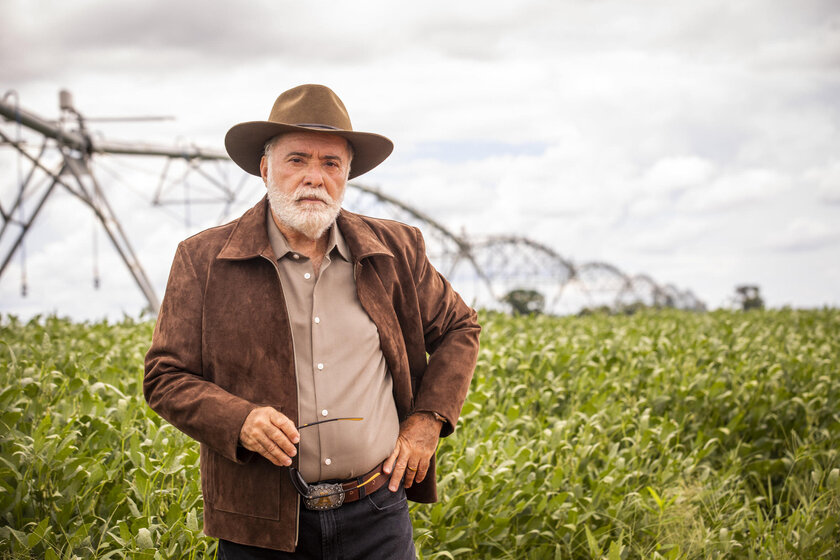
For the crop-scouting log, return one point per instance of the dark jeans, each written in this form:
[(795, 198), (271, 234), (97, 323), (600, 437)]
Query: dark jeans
[(377, 526)]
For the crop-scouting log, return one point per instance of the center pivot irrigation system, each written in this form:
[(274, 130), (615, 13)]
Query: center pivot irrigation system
[(53, 153)]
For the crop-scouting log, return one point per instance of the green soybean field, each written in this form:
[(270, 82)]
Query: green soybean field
[(664, 434)]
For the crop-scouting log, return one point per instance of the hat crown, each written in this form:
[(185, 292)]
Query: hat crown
[(310, 105), (303, 109)]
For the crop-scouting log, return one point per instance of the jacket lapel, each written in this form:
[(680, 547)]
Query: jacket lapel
[(377, 302), (249, 237)]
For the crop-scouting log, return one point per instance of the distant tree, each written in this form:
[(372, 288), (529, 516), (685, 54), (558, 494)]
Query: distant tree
[(524, 302), (749, 297), (599, 310), (632, 308)]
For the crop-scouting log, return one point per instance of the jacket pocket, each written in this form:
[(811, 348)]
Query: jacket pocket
[(251, 489)]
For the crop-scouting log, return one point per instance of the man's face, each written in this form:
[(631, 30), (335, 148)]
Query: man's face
[(305, 174)]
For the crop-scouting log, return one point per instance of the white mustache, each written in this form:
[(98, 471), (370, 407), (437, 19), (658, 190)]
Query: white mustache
[(302, 193)]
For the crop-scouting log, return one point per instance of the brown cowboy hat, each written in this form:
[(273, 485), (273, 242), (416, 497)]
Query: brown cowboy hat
[(306, 108)]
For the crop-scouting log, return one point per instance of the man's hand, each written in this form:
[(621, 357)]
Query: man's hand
[(271, 434), (416, 443)]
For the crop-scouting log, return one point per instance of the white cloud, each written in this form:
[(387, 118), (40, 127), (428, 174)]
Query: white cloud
[(668, 238), (677, 173), (805, 234), (672, 131), (827, 182), (736, 191)]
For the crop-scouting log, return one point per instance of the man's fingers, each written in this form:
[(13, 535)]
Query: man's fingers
[(271, 434), (422, 469), (267, 448), (388, 467), (410, 476), (396, 465), (285, 424), (415, 446), (258, 447), (397, 475), (268, 441), (272, 453), (281, 440)]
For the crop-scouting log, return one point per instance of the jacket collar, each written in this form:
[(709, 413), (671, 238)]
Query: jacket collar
[(249, 238), (360, 238)]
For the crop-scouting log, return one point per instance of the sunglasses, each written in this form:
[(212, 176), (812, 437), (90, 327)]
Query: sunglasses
[(305, 489)]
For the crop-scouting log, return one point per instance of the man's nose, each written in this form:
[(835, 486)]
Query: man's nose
[(313, 175)]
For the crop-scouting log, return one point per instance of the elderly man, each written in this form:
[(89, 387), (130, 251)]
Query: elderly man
[(315, 354)]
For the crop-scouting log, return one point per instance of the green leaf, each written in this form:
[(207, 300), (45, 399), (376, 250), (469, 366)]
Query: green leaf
[(144, 539), (192, 521), (659, 501), (833, 480), (615, 551), (594, 549), (174, 514)]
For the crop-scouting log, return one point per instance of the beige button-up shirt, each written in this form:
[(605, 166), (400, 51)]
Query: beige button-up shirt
[(340, 369)]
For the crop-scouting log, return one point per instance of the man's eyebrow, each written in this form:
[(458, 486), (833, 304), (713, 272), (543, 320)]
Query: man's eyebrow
[(308, 155)]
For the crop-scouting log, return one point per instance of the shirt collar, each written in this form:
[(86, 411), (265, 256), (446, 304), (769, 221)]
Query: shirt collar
[(337, 241), (280, 246), (248, 237)]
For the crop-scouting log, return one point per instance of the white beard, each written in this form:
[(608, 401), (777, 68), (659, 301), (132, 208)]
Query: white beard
[(312, 220)]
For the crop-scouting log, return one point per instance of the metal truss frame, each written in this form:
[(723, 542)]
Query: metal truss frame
[(499, 263)]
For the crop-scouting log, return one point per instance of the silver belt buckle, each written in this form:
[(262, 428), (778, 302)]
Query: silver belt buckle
[(320, 499)]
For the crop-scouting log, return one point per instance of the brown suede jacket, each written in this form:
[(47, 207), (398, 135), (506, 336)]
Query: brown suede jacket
[(222, 346)]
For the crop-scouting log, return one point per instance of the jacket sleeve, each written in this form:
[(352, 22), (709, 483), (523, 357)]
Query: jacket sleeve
[(174, 384), (451, 333)]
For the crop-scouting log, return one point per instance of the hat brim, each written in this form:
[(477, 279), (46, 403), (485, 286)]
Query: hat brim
[(245, 143)]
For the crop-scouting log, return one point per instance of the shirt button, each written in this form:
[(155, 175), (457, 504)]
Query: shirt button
[(317, 320), (328, 461), (324, 412), (320, 366), (307, 276)]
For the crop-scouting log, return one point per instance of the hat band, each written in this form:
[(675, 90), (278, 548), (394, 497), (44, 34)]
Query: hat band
[(310, 125)]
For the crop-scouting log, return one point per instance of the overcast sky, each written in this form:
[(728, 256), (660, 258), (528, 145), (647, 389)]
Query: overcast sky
[(696, 142)]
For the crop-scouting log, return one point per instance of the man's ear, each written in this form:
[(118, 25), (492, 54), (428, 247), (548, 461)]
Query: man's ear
[(264, 169)]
